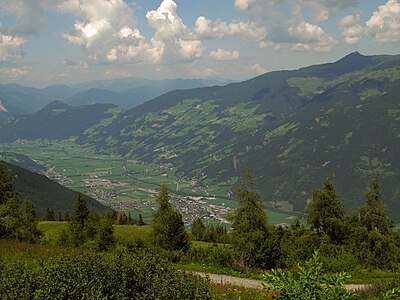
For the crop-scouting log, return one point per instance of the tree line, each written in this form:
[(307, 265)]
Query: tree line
[(364, 236)]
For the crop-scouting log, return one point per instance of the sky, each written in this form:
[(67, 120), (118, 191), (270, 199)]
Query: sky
[(45, 42)]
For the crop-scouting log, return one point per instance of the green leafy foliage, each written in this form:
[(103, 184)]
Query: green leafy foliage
[(117, 275), (309, 281)]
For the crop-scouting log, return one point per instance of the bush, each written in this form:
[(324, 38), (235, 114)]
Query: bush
[(117, 275), (309, 282)]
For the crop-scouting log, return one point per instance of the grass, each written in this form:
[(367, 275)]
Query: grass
[(231, 292), (17, 248), (51, 230), (79, 162), (365, 276), (131, 233)]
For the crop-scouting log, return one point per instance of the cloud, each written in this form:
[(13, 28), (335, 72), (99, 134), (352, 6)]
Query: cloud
[(204, 72), (29, 19), (172, 39), (258, 69), (105, 29), (207, 29), (350, 30), (324, 8), (221, 54), (72, 68), (13, 73), (30, 15), (307, 36), (244, 5), (10, 48), (286, 26), (384, 23)]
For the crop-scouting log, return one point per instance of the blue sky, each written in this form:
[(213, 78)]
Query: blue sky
[(44, 42)]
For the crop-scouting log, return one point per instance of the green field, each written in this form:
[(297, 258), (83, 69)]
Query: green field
[(122, 184)]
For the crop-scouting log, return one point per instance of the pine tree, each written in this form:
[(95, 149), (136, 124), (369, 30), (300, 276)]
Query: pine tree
[(105, 233), (17, 220), (198, 229), (249, 222), (49, 214), (27, 229), (79, 215), (168, 227), (374, 214), (325, 212), (6, 186), (141, 222), (374, 240)]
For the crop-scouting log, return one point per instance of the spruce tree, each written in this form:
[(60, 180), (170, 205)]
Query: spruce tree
[(249, 222), (78, 218), (198, 229), (374, 214), (325, 212), (168, 227), (50, 216)]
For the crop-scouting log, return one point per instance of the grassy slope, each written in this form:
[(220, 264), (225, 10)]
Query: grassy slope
[(45, 193)]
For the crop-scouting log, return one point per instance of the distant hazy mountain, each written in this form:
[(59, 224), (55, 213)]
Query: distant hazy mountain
[(45, 193), (56, 121), (123, 84), (130, 92), (17, 99), (292, 128), (125, 93)]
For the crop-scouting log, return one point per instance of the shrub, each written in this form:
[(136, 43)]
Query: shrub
[(117, 275), (309, 282)]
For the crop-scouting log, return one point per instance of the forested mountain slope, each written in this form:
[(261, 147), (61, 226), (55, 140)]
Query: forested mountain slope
[(45, 193), (292, 128)]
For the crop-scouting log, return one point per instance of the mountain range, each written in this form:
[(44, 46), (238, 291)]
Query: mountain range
[(292, 128), (125, 93)]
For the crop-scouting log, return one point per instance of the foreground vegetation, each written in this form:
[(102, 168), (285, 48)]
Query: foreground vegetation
[(96, 259)]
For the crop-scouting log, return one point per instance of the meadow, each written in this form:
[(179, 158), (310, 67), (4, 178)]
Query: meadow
[(124, 184)]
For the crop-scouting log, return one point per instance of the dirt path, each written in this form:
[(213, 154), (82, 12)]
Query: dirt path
[(252, 283)]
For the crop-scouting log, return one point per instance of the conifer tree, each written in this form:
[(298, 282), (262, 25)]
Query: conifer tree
[(168, 227), (325, 212), (49, 214), (198, 229), (105, 233), (79, 215), (249, 222), (141, 222), (374, 214)]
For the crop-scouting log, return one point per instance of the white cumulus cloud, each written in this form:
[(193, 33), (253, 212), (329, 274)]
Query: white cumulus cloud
[(221, 54), (172, 39), (350, 29), (208, 29), (10, 48), (384, 23)]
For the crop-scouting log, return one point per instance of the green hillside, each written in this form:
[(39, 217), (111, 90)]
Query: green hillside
[(56, 121), (291, 127), (45, 193)]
